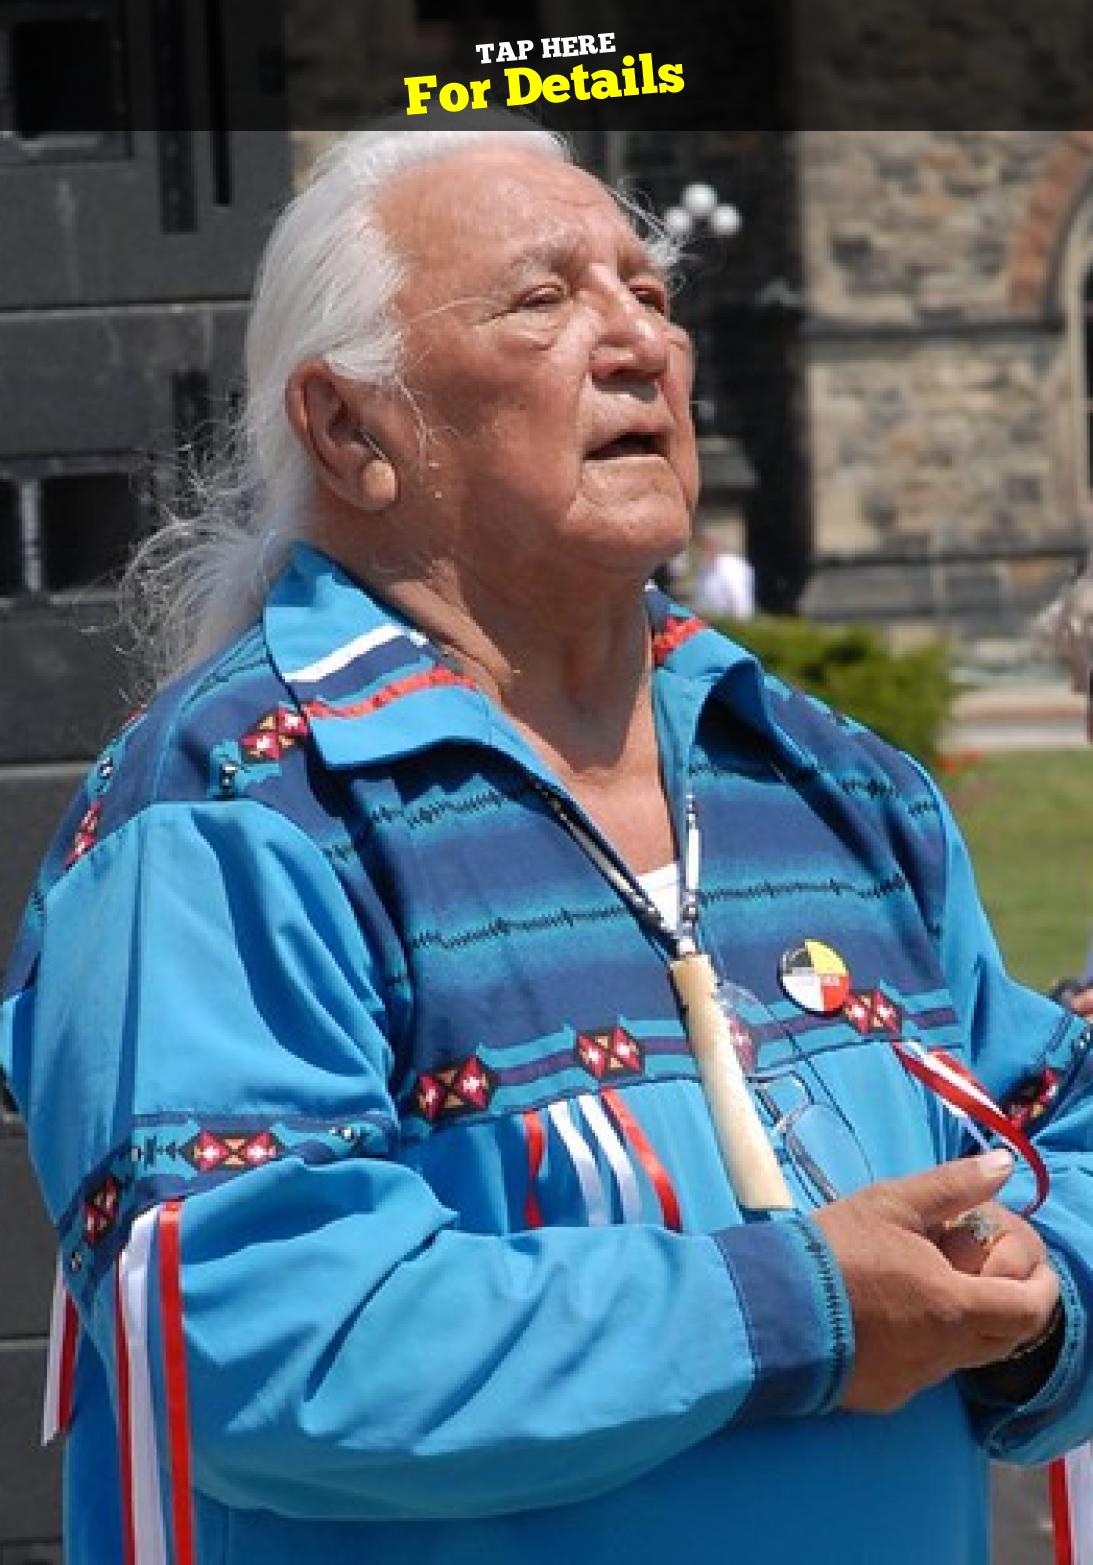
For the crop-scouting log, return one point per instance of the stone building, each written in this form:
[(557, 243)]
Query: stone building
[(945, 350)]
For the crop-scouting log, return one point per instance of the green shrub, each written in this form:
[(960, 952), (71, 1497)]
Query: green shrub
[(904, 696)]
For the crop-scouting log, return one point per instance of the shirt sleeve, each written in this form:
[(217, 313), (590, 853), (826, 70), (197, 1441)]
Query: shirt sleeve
[(207, 1023), (1020, 1040)]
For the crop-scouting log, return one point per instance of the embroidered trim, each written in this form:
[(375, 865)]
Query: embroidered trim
[(428, 679), (351, 652), (610, 1051), (674, 632), (457, 1089), (871, 1011), (168, 1155), (235, 765), (831, 1289), (87, 833)]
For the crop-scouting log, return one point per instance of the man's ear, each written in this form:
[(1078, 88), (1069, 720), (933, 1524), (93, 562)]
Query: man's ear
[(325, 411)]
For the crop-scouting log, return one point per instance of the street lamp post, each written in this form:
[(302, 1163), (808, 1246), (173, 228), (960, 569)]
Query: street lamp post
[(700, 203), (745, 316), (700, 212)]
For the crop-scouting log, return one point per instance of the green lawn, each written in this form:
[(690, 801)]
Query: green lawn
[(1028, 818)]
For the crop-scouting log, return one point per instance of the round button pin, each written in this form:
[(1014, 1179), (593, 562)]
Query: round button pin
[(814, 977)]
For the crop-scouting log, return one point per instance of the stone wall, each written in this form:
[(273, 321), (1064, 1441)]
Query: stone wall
[(941, 451), (914, 227), (345, 62), (894, 64), (941, 385), (941, 399), (938, 442)]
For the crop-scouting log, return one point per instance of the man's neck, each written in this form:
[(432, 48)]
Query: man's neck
[(566, 659), (570, 665), (571, 676), (581, 696)]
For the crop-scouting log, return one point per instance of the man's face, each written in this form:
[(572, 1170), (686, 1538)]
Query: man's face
[(552, 389)]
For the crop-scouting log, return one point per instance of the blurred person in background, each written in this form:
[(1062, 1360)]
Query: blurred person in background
[(724, 581), (1066, 627)]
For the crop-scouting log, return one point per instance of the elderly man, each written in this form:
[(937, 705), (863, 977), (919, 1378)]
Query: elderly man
[(353, 1017)]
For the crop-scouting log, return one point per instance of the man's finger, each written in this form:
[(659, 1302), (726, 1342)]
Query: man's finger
[(954, 1188), (992, 1241), (1015, 1255), (1006, 1313)]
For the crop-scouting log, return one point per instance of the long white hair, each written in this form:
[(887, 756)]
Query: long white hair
[(324, 289)]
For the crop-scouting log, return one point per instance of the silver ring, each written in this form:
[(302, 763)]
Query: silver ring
[(981, 1230)]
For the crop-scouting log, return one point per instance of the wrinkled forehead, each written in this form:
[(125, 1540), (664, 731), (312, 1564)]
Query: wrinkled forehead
[(475, 220)]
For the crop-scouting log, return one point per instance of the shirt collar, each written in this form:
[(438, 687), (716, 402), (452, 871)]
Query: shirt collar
[(373, 688)]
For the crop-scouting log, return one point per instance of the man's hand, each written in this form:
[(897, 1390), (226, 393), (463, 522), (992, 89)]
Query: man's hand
[(918, 1318), (991, 1241)]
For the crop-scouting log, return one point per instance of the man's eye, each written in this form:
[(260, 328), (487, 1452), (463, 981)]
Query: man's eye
[(651, 296), (542, 298)]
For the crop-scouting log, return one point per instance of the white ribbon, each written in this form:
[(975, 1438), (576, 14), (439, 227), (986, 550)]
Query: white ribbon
[(584, 1165)]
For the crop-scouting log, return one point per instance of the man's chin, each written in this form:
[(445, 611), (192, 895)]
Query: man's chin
[(635, 543), (645, 501)]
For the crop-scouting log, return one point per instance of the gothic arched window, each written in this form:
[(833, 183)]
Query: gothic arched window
[(1075, 296)]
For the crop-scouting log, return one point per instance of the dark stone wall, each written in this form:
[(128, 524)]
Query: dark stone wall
[(896, 64), (126, 263)]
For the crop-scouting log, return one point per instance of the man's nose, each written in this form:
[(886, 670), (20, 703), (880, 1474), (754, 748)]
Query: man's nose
[(634, 338)]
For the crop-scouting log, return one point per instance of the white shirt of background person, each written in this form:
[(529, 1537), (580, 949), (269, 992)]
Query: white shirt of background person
[(724, 582)]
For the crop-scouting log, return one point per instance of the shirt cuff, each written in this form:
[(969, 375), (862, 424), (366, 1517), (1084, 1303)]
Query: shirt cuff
[(1057, 1389), (797, 1314)]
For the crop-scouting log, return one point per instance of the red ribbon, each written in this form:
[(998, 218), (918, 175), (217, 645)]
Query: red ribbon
[(69, 1339), (174, 1366), (655, 1171), (533, 1129), (956, 1085), (1060, 1512), (125, 1431)]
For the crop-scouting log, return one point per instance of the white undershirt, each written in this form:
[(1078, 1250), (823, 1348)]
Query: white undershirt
[(662, 887)]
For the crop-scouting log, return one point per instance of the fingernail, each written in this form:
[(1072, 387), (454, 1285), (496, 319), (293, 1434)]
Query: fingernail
[(1000, 1161)]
